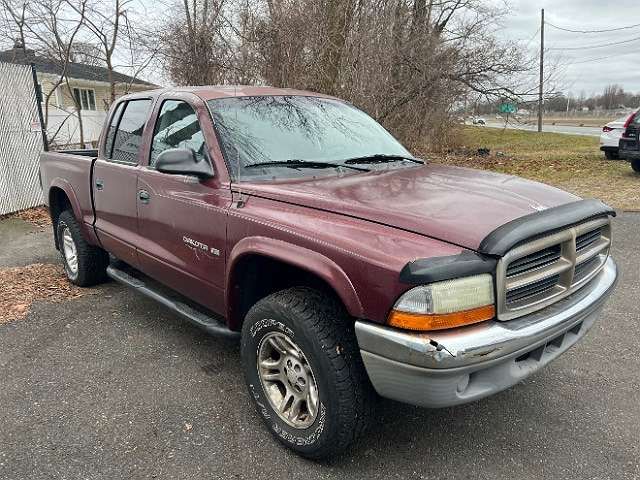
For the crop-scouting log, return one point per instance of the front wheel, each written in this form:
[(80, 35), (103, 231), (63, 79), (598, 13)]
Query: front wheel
[(304, 372), (635, 164)]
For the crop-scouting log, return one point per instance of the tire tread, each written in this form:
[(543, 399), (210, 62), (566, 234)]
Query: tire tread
[(92, 260), (324, 317)]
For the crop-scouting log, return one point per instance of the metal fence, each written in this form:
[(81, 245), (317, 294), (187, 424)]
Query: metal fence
[(20, 140)]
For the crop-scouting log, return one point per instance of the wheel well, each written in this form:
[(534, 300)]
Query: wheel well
[(58, 203), (257, 276)]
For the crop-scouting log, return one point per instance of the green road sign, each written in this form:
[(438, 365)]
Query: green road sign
[(508, 108)]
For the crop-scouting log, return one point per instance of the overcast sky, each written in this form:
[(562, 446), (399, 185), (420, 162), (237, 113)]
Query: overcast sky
[(622, 62)]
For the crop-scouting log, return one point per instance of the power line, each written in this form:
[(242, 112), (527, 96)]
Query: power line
[(600, 58), (586, 47), (594, 31)]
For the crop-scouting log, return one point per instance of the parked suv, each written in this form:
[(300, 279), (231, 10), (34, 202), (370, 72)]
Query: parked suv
[(629, 146), (347, 267)]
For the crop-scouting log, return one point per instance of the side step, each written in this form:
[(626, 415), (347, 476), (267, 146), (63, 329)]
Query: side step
[(212, 325)]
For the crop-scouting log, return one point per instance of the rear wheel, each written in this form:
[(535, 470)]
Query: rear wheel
[(635, 164), (84, 264), (304, 372)]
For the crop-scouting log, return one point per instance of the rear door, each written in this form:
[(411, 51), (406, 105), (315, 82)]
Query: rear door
[(183, 219), (115, 177)]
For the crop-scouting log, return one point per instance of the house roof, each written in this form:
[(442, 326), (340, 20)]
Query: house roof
[(81, 71)]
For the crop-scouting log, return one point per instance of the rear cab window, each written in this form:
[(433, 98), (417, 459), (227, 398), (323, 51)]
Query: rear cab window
[(111, 131), (125, 131)]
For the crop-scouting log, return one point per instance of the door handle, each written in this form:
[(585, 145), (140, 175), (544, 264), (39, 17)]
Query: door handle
[(99, 184), (144, 196)]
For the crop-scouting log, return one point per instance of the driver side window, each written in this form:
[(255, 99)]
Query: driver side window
[(177, 127)]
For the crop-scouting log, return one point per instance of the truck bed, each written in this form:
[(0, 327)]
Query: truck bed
[(71, 172)]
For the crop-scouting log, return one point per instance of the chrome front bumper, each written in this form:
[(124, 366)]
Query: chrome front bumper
[(450, 367)]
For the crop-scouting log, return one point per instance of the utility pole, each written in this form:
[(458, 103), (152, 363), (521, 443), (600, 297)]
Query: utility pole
[(541, 70)]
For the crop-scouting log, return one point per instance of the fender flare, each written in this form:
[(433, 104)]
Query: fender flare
[(299, 257), (67, 188)]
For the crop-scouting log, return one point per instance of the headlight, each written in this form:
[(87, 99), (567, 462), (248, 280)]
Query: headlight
[(447, 304)]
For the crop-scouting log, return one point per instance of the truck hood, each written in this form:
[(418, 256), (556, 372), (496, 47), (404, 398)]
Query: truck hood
[(457, 205)]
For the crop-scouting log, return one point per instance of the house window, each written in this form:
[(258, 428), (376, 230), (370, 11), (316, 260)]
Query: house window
[(85, 98)]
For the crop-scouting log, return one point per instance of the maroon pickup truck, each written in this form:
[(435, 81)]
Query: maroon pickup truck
[(347, 267)]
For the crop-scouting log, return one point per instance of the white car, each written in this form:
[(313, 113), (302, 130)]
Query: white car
[(611, 133)]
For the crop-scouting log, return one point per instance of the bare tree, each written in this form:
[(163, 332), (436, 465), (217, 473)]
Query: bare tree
[(406, 62), (13, 20), (194, 43), (612, 96), (338, 18), (104, 20)]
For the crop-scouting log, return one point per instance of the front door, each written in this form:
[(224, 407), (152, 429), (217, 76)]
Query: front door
[(115, 180), (182, 219)]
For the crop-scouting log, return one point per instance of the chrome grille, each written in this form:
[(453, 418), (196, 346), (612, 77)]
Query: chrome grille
[(535, 260), (586, 239), (545, 270), (521, 293)]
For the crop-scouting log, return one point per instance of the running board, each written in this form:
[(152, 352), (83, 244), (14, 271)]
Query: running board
[(210, 324)]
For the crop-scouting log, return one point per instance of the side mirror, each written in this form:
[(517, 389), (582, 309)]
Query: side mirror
[(183, 161)]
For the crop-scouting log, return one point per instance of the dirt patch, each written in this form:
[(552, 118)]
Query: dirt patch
[(21, 286)]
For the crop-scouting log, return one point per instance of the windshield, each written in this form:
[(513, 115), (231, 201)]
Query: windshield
[(312, 130)]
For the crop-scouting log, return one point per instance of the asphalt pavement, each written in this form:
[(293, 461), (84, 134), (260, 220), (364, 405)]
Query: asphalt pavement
[(568, 129), (113, 386)]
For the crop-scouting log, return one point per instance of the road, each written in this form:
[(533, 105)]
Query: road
[(568, 129), (113, 386)]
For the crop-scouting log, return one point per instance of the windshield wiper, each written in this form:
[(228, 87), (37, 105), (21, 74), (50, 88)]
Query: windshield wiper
[(299, 163), (382, 158)]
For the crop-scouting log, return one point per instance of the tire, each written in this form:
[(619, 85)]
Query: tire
[(324, 333), (611, 155), (635, 164), (90, 263)]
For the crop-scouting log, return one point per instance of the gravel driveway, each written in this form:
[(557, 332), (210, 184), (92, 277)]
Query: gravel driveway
[(111, 385)]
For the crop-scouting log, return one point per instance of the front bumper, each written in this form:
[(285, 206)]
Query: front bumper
[(450, 367)]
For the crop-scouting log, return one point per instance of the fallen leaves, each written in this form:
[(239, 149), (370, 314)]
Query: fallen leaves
[(38, 216), (21, 286)]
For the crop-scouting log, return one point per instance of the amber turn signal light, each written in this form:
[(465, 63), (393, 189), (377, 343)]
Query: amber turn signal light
[(421, 321)]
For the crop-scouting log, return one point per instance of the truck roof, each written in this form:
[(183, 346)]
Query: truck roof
[(209, 92)]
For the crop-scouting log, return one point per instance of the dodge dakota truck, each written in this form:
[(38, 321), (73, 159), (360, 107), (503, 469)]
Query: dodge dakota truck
[(347, 268)]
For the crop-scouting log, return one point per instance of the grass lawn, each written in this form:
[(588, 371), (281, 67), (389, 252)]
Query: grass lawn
[(570, 162)]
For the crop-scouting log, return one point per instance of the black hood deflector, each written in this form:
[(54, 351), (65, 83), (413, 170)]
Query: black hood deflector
[(507, 236), (501, 240)]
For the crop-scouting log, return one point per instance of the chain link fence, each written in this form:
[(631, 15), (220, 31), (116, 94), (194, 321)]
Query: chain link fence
[(20, 140)]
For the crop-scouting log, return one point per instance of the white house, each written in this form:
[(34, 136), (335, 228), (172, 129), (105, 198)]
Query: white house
[(87, 83)]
